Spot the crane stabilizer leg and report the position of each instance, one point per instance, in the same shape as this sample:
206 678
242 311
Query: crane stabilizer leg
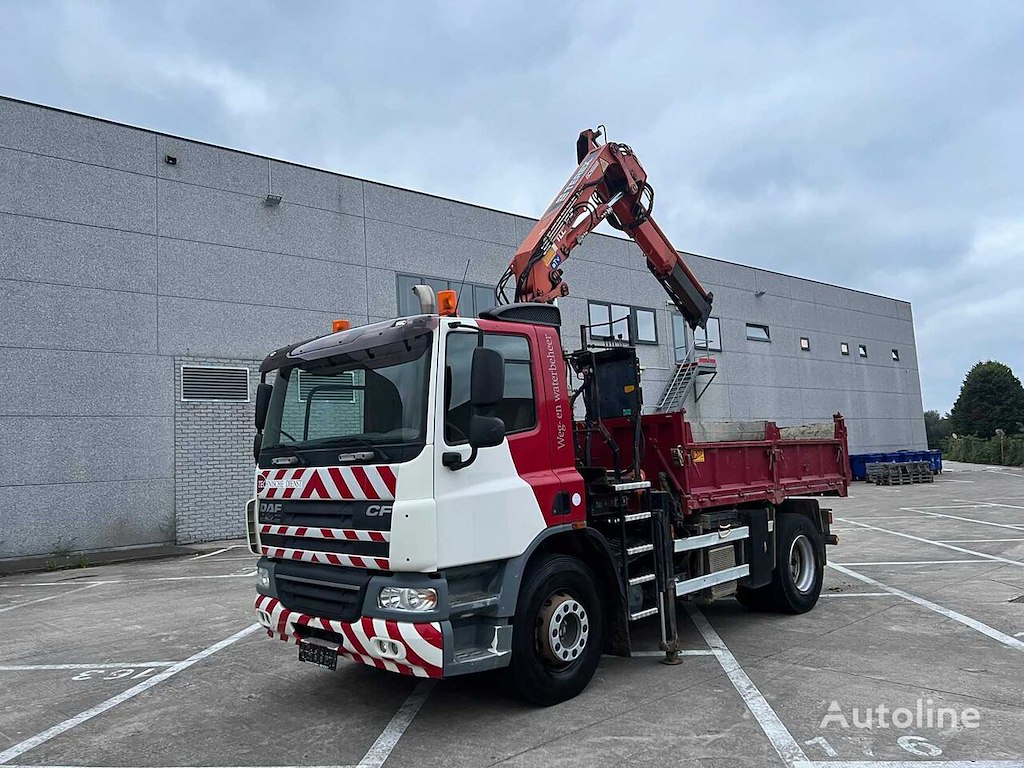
664 571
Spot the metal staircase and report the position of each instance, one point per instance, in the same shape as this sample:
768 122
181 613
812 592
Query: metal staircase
685 379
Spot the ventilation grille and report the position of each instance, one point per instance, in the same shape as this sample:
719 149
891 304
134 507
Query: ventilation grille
207 383
336 388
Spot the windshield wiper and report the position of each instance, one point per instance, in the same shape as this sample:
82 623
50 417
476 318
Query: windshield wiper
293 457
376 449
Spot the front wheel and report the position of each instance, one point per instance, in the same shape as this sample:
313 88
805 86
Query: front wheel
557 632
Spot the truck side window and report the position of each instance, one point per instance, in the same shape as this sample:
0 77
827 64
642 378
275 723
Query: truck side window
518 409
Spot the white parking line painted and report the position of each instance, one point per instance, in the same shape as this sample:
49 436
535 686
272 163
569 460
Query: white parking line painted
246 575
964 505
217 552
102 665
856 594
967 519
918 562
954 547
1008 506
66 583
385 743
1018 475
887 517
41 738
979 541
44 599
967 621
780 737
909 764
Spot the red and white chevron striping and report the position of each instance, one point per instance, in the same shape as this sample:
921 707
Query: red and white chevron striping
377 483
327 558
422 644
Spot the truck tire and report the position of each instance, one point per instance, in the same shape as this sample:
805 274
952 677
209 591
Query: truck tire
799 569
557 632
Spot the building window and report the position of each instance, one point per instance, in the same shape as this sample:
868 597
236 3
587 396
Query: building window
474 298
758 332
805 344
896 355
214 384
862 350
517 408
709 338
646 323
844 348
623 322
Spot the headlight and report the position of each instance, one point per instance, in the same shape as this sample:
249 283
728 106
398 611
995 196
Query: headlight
407 599
263 578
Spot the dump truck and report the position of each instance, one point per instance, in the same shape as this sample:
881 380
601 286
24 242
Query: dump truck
438 495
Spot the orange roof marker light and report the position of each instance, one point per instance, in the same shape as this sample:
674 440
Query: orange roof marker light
340 325
447 303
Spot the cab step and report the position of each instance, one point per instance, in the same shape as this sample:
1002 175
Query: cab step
639 549
636 516
643 614
641 579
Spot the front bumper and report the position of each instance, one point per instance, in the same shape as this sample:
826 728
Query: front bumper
415 649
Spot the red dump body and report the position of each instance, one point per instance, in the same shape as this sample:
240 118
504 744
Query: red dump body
730 472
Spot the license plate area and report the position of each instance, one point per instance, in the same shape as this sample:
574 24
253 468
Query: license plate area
321 655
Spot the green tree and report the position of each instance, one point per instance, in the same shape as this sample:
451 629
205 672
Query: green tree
936 427
991 398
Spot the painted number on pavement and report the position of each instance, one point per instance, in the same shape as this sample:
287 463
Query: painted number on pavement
127 673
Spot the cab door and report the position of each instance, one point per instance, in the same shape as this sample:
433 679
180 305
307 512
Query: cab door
487 510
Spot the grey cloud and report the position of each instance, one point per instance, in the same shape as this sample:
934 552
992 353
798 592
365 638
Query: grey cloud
876 146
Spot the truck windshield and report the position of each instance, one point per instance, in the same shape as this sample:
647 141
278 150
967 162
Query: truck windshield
371 401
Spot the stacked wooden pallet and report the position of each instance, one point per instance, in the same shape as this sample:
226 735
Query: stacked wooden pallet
900 473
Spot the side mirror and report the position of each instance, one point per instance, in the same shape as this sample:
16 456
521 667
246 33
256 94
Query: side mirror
263 392
485 431
257 443
486 378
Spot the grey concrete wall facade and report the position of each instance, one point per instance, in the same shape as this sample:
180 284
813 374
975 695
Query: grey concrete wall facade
116 266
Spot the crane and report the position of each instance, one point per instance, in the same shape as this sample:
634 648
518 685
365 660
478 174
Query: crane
609 184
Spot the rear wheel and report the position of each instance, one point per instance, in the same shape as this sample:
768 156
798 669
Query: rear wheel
558 631
799 569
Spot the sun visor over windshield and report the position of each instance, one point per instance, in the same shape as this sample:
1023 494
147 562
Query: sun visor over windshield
353 343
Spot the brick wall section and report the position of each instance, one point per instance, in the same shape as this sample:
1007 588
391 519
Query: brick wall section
213 465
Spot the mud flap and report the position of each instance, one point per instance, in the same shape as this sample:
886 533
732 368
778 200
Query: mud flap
759 548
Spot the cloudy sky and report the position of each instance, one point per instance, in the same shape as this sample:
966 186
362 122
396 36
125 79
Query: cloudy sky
875 145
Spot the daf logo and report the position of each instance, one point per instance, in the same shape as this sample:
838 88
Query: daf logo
270 510
378 510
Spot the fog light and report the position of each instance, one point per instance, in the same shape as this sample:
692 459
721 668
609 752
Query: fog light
407 599
262 578
388 649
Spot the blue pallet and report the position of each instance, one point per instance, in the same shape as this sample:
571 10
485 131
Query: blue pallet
859 461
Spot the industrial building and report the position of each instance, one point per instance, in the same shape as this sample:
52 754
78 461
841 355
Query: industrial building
144 276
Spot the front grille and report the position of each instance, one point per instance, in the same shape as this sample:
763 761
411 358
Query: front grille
358 548
325 591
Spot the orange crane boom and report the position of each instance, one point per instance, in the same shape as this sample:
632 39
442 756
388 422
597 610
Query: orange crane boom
609 184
